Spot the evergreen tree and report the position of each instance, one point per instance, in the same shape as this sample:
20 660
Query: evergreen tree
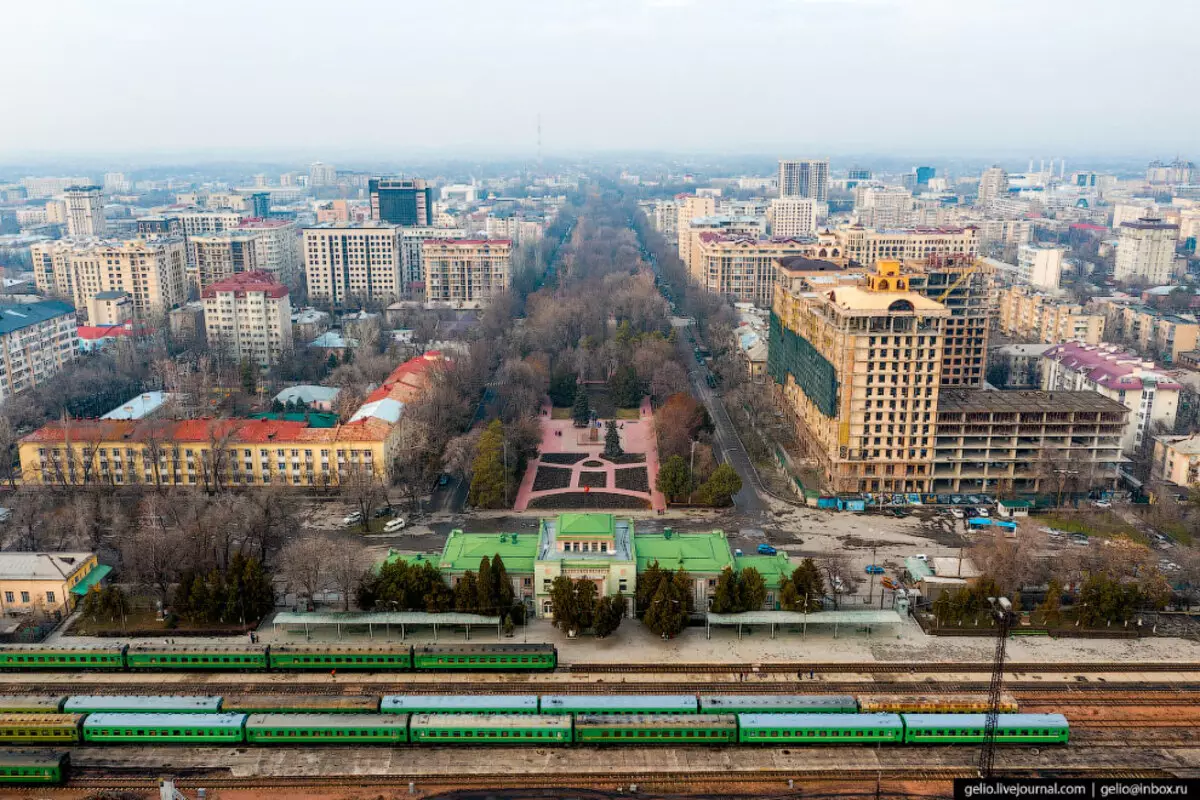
585 603
486 588
466 594
809 586
674 479
504 589
752 590
562 600
612 440
489 479
331 363
249 377
725 595
720 487
647 585
562 387
609 612
789 598
581 412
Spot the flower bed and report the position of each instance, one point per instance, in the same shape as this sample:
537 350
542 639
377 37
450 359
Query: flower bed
589 500
594 464
562 458
635 479
593 480
548 478
629 458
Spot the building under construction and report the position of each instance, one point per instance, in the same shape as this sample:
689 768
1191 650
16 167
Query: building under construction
963 284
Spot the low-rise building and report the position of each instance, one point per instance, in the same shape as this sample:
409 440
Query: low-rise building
308 323
1020 366
702 555
1152 396
317 398
36 341
50 583
1026 442
110 308
145 405
1176 460
594 547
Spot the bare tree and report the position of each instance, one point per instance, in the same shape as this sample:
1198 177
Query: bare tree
304 564
346 568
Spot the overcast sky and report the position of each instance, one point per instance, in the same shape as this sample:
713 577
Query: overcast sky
792 77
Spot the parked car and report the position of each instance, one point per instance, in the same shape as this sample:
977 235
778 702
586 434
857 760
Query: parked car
888 583
1080 539
394 525
874 569
921 557
353 518
386 511
839 585
982 512
957 513
766 550
1101 504
443 479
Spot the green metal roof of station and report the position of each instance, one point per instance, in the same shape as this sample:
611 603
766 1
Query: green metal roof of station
774 569
694 552
464 551
589 526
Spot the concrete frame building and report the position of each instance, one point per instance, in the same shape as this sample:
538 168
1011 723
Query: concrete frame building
36 341
1027 441
1163 334
348 263
744 268
213 257
280 246
1031 315
401 201
1151 396
793 216
466 270
804 178
1040 265
249 316
411 240
859 370
993 185
1146 250
85 211
1176 460
687 208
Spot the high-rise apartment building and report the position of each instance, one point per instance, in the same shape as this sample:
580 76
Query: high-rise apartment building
884 207
279 246
116 182
1178 172
1040 265
963 285
808 178
866 245
859 370
689 207
752 227
45 188
1146 250
36 341
993 185
321 175
923 176
793 216
743 268
466 270
249 317
401 201
153 273
85 211
411 241
345 264
214 257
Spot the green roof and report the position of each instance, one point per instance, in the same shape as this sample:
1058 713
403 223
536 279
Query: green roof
464 551
774 569
315 419
585 526
412 559
1016 504
91 579
695 552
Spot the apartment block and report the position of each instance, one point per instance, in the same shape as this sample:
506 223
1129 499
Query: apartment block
804 178
964 285
411 240
349 263
85 211
687 208
752 227
36 341
249 317
1027 314
153 273
793 216
744 268
280 247
1040 265
1152 396
1153 331
858 368
1027 441
213 257
1146 250
868 245
1176 460
466 270
106 309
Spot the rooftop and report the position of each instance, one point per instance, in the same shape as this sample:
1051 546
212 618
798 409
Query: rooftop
333 340
1107 366
1184 445
315 419
308 394
464 551
111 295
774 569
694 552
41 566
92 333
982 401
15 316
244 283
140 406
854 298
586 526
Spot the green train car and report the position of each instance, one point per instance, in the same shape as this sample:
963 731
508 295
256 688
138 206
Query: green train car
967 728
327 728
197 657
33 768
330 657
651 728
31 703
164 728
40 728
484 656
489 729
801 729
37 657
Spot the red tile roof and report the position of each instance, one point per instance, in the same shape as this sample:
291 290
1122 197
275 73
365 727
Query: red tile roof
93 333
255 281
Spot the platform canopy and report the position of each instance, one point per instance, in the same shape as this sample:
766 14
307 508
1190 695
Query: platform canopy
857 618
386 619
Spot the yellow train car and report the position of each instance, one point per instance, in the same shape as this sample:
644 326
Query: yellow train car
40 728
933 703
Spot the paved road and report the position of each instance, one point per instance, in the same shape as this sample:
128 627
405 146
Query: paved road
751 498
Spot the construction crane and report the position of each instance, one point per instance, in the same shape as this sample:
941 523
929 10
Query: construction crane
1002 613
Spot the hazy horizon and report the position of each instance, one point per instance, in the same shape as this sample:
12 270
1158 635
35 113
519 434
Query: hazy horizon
783 78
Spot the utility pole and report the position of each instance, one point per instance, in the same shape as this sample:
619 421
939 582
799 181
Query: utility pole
506 471
691 469
871 591
1002 612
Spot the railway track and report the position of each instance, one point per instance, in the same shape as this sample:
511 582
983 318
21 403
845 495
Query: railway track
875 668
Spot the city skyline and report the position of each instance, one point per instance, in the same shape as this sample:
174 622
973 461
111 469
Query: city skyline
884 75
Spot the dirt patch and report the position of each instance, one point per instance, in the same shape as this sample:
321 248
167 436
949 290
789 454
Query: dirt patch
635 479
548 478
593 480
588 500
